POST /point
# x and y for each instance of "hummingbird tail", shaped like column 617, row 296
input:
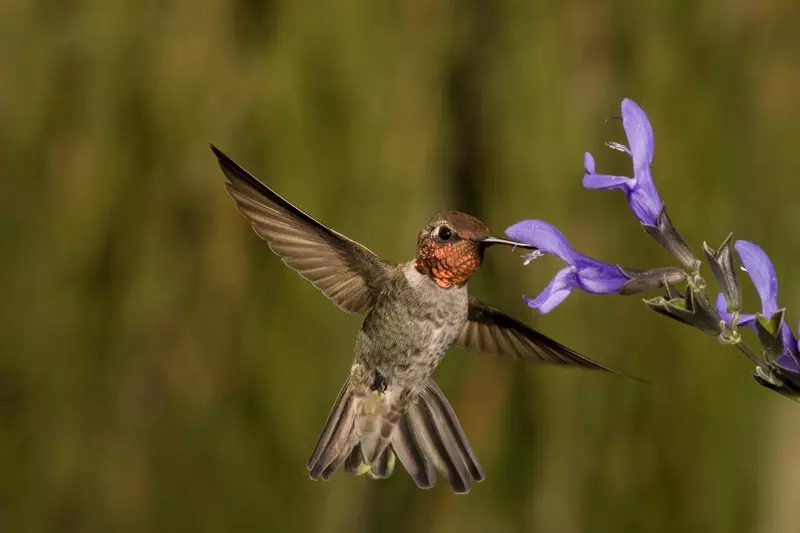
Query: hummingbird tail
column 429, row 436
column 365, row 436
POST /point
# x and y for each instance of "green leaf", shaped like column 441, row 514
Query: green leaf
column 769, row 332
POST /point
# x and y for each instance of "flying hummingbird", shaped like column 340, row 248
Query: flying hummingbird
column 390, row 405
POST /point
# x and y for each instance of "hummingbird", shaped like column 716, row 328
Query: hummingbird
column 389, row 406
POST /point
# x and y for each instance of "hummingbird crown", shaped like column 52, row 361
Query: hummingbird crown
column 449, row 250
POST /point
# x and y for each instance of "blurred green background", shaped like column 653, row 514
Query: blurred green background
column 160, row 370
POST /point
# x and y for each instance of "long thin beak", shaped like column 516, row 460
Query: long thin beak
column 488, row 241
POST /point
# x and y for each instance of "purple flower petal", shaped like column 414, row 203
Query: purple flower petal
column 588, row 163
column 591, row 180
column 645, row 203
column 545, row 237
column 787, row 362
column 639, row 133
column 555, row 292
column 761, row 271
column 596, row 277
column 722, row 310
column 605, row 181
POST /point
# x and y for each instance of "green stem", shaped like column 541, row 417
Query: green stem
column 749, row 353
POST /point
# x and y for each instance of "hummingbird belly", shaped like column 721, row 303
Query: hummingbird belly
column 406, row 334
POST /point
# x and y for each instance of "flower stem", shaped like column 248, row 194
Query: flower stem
column 749, row 353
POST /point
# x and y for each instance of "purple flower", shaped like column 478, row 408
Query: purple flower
column 745, row 319
column 585, row 273
column 640, row 190
column 759, row 267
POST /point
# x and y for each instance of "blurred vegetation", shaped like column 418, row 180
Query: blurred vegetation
column 160, row 370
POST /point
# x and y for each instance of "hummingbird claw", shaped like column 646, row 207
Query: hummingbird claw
column 378, row 383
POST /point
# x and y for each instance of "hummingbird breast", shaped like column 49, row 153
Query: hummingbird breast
column 412, row 325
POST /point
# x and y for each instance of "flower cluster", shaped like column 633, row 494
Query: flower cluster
column 778, row 366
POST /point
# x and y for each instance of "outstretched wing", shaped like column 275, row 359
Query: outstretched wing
column 345, row 271
column 489, row 330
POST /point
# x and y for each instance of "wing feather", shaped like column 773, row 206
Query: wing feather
column 489, row 330
column 342, row 269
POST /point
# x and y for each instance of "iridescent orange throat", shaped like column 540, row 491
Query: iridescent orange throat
column 448, row 264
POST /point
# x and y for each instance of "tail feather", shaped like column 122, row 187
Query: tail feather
column 334, row 443
column 338, row 460
column 438, row 445
column 434, row 435
column 365, row 435
column 412, row 457
column 457, row 434
column 330, row 426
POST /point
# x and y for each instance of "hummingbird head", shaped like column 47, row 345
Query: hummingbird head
column 450, row 248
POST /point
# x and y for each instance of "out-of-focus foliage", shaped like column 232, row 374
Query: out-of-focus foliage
column 160, row 370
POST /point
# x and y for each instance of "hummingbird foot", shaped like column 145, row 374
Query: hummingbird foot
column 379, row 383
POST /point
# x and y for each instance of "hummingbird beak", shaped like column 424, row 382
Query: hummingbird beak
column 488, row 241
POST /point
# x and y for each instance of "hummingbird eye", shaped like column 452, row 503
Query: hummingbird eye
column 444, row 233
